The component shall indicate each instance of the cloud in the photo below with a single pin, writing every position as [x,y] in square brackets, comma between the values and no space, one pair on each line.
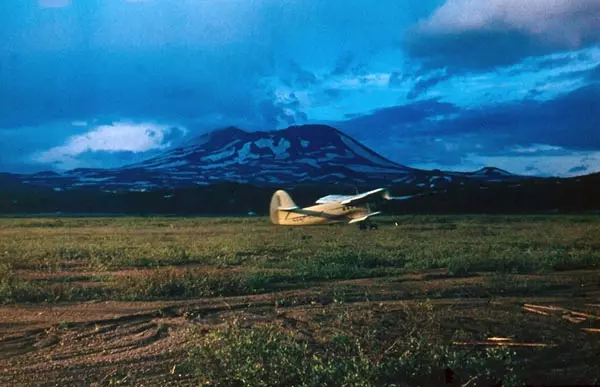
[361,81]
[343,63]
[281,108]
[594,74]
[535,148]
[571,164]
[570,120]
[425,83]
[119,138]
[381,123]
[551,136]
[475,35]
[579,169]
[397,79]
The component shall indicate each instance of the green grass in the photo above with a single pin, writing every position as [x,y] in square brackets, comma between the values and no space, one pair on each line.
[275,257]
[358,353]
[330,271]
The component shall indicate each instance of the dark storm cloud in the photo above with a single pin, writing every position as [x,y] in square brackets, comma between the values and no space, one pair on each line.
[343,63]
[386,120]
[473,36]
[426,82]
[579,169]
[569,121]
[282,110]
[180,85]
[594,74]
[296,76]
[471,50]
[397,79]
[433,132]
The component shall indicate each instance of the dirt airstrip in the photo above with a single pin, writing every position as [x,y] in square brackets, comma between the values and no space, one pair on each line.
[145,343]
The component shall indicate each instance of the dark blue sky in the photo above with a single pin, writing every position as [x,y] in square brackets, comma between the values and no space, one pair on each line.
[450,84]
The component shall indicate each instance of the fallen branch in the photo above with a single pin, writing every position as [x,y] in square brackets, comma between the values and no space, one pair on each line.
[528,309]
[576,320]
[585,315]
[499,339]
[509,344]
[596,330]
[544,307]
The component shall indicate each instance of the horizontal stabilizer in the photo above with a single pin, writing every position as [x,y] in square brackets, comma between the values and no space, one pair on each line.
[363,218]
[294,208]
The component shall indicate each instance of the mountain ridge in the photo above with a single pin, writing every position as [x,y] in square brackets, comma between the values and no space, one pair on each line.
[294,155]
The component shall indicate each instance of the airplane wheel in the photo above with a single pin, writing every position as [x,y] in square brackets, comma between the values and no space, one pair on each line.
[362,226]
[373,227]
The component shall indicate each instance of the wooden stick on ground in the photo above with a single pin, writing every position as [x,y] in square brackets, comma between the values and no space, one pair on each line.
[545,307]
[580,314]
[572,319]
[596,330]
[532,310]
[499,339]
[510,344]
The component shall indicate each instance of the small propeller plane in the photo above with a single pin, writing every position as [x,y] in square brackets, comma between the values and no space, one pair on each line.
[328,209]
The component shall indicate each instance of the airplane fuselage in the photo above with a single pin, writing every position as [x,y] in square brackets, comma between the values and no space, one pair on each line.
[321,214]
[329,209]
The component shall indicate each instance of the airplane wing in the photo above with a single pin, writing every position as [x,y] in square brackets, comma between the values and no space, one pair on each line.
[363,218]
[333,198]
[364,197]
[351,199]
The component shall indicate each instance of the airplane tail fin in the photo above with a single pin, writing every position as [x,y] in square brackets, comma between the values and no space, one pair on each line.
[280,199]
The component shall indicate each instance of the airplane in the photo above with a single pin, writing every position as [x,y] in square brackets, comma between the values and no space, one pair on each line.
[328,209]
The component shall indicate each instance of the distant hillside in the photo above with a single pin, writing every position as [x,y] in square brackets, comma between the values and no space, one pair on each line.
[315,154]
[231,171]
[580,194]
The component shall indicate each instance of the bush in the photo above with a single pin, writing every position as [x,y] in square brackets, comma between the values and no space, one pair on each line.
[267,355]
[8,284]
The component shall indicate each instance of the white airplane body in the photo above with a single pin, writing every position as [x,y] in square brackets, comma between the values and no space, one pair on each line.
[328,209]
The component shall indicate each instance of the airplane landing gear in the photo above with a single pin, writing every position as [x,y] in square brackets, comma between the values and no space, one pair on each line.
[367,226]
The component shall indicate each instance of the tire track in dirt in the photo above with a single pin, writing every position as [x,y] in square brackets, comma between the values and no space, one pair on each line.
[144,343]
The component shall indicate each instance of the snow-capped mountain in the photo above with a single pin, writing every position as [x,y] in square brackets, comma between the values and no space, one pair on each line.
[300,154]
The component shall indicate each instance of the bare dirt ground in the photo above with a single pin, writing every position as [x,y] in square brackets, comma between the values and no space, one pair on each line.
[144,343]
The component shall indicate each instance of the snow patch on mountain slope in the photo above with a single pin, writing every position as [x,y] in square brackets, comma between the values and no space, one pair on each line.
[328,157]
[220,156]
[172,164]
[245,154]
[312,162]
[338,175]
[279,150]
[220,165]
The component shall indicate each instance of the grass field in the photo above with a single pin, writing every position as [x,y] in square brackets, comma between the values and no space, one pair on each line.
[237,301]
